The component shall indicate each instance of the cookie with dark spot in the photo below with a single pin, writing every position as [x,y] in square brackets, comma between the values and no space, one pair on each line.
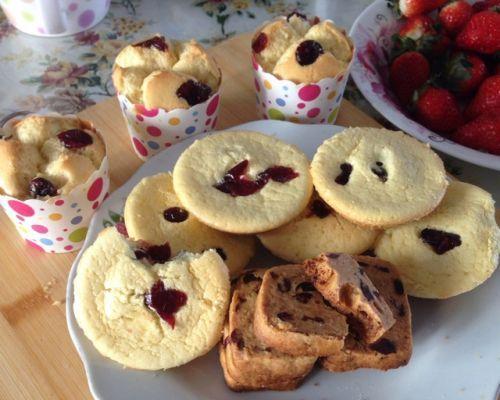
[394,348]
[291,316]
[247,362]
[345,284]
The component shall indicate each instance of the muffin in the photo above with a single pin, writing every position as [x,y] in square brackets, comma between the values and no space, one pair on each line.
[45,156]
[302,51]
[167,74]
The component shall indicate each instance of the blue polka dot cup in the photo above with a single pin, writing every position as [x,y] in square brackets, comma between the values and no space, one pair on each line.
[308,103]
[54,18]
[59,224]
[153,130]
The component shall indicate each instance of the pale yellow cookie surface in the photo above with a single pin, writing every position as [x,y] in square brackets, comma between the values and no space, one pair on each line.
[318,229]
[153,200]
[205,163]
[110,289]
[466,211]
[377,177]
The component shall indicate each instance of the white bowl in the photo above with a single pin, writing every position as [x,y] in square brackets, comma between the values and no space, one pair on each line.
[371,33]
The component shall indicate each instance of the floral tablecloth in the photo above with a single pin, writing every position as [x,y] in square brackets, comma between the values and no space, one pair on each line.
[68,74]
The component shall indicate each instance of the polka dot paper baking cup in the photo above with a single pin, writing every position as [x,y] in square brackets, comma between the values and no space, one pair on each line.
[152,131]
[54,18]
[59,224]
[315,103]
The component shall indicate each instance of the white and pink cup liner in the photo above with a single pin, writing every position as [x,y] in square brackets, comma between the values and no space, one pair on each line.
[59,224]
[313,103]
[153,130]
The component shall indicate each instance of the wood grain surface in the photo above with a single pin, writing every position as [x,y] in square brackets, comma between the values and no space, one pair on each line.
[37,357]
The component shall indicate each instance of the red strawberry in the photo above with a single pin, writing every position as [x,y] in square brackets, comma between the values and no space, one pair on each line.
[485,5]
[455,15]
[482,133]
[417,27]
[487,98]
[438,110]
[465,72]
[408,73]
[410,8]
[481,33]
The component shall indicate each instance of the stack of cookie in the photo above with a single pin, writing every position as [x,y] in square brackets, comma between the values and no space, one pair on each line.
[348,313]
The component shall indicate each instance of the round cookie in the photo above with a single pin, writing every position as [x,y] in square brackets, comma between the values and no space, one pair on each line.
[449,252]
[149,315]
[243,182]
[318,229]
[377,177]
[154,213]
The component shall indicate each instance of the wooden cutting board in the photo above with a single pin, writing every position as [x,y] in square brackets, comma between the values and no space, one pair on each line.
[37,357]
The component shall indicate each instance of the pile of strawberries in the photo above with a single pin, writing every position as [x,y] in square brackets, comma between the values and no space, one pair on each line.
[445,68]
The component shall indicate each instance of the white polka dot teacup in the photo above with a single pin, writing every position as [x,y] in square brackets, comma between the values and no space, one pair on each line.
[54,17]
[59,224]
[153,130]
[314,103]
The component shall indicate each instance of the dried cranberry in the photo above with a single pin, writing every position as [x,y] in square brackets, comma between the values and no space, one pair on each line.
[380,171]
[236,183]
[303,297]
[305,287]
[236,337]
[308,51]
[121,228]
[383,346]
[220,251]
[285,285]
[315,21]
[345,174]
[440,241]
[158,42]
[75,139]
[398,287]
[155,254]
[41,187]
[166,302]
[284,316]
[194,92]
[315,319]
[297,14]
[175,214]
[366,290]
[259,43]
[320,208]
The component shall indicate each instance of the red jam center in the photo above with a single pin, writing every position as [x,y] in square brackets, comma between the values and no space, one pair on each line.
[345,174]
[308,51]
[154,254]
[158,42]
[194,92]
[259,43]
[166,302]
[41,187]
[440,241]
[175,214]
[236,183]
[75,139]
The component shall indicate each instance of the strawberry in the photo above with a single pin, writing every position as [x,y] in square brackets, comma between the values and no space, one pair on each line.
[454,16]
[464,72]
[438,110]
[407,73]
[481,33]
[487,98]
[417,27]
[410,8]
[416,34]
[482,133]
[485,5]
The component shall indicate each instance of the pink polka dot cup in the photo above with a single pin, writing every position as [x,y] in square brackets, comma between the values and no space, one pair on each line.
[54,18]
[314,103]
[59,224]
[152,131]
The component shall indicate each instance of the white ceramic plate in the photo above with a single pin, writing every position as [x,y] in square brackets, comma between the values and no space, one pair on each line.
[372,33]
[457,341]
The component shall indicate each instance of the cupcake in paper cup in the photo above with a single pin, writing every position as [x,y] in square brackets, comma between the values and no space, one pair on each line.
[168,90]
[301,68]
[53,176]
